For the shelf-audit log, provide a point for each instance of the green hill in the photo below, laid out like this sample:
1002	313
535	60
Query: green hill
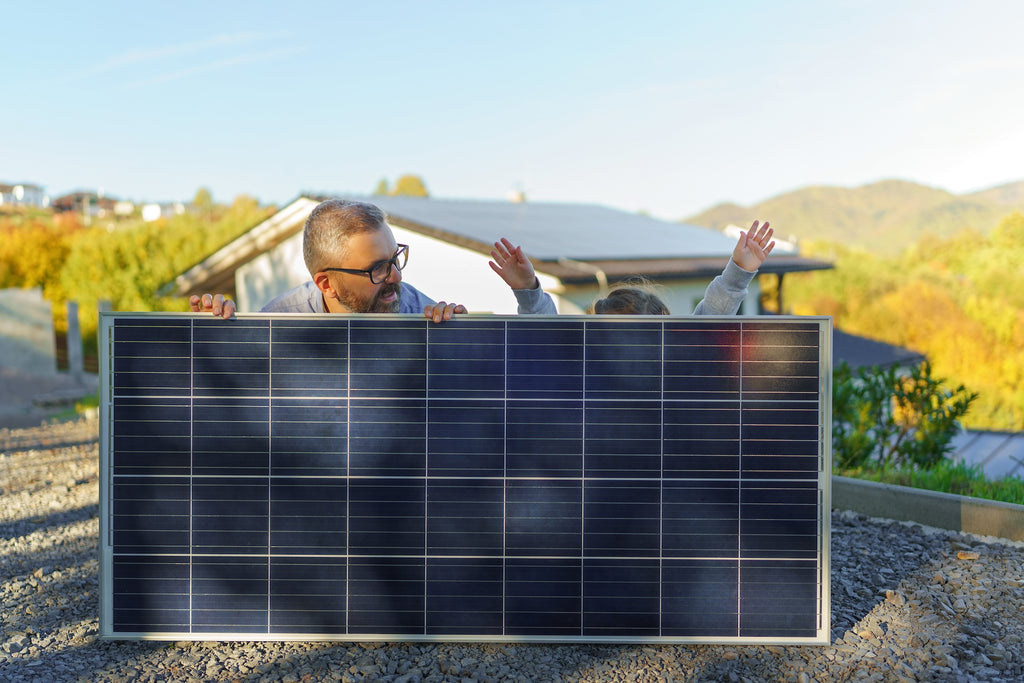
1011	194
883	217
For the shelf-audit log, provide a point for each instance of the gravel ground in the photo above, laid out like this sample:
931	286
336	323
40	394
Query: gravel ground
910	603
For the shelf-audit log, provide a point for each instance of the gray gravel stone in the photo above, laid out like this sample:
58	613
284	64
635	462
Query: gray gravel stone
909	603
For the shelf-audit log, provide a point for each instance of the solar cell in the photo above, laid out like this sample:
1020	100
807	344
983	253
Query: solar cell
495	478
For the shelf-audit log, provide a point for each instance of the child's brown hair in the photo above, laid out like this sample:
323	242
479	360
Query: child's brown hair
632	298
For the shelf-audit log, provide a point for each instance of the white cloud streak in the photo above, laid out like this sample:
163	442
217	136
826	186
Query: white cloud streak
134	57
215	66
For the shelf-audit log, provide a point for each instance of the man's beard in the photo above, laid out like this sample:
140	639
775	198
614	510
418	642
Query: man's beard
374	303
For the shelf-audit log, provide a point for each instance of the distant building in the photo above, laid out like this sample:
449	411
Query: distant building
23	194
124	208
91	204
153	211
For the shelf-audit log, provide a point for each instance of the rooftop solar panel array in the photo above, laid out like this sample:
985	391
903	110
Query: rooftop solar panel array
494	478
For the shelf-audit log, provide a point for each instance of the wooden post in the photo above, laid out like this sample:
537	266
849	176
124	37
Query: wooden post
74	341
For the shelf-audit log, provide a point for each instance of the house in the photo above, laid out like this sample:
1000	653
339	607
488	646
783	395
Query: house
578	250
87	203
155	211
23	194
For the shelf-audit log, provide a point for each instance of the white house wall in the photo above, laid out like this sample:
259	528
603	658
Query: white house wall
440	270
446	272
269	274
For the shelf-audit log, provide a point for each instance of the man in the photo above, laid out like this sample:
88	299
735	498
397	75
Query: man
356	267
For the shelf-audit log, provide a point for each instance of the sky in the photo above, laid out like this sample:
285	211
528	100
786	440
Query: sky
663	107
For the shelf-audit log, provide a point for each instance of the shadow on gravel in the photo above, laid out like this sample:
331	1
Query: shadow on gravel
25	526
869	559
13	445
83	658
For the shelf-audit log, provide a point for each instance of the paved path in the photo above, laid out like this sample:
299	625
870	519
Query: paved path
27	400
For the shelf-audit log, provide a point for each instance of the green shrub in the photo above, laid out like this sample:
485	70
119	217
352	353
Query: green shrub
885	417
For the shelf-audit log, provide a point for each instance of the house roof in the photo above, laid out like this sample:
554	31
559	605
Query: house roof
568	241
860	352
998	454
216	273
9	187
550	230
575	272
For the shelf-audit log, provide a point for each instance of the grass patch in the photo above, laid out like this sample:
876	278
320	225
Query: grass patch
91	401
946	477
80	407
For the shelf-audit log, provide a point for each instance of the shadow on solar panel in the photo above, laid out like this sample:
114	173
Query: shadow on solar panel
494	478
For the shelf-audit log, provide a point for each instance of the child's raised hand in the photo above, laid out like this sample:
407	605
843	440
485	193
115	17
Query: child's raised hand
753	247
512	265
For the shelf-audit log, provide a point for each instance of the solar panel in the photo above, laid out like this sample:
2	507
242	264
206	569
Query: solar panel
492	478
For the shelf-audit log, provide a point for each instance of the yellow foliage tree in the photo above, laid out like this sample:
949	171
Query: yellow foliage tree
959	301
410	186
33	253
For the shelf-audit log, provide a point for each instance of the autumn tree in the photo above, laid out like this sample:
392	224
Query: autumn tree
957	300
410	186
33	252
203	201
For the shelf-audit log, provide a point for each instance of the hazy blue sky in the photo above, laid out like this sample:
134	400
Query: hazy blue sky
667	107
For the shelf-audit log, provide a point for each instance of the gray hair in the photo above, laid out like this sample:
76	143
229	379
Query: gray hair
330	226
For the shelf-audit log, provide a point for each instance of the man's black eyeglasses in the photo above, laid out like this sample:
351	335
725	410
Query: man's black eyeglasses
379	272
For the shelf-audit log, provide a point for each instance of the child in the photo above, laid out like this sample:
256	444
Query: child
630	299
722	297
